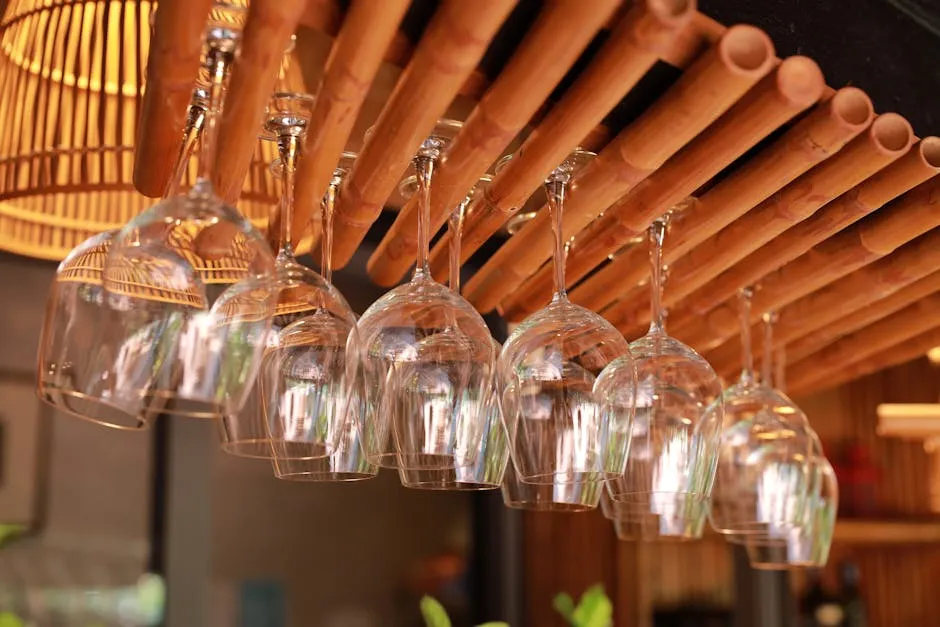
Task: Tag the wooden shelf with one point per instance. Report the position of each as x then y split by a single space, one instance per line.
888 531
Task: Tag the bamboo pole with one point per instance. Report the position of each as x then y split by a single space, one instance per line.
796 202
816 137
175 50
866 241
908 172
820 338
630 51
267 34
357 53
795 85
859 289
910 322
450 49
553 44
268 29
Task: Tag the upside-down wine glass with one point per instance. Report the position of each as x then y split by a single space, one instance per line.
299 403
560 432
348 461
427 358
556 497
807 543
187 313
75 305
487 470
666 489
761 485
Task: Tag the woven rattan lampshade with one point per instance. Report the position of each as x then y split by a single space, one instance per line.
71 83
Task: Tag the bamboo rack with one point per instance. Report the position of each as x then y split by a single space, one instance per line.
454 43
858 290
632 49
816 340
898 353
705 91
816 137
902 175
549 50
871 239
796 84
774 179
907 323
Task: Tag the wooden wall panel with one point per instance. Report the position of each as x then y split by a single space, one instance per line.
569 552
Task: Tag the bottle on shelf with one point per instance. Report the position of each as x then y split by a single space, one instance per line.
818 607
853 605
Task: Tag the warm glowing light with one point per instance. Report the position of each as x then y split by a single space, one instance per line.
934 355
913 420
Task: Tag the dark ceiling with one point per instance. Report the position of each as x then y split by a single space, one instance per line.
889 48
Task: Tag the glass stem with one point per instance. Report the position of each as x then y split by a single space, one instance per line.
555 188
424 167
747 357
657 232
288 145
219 62
327 208
767 370
455 226
195 121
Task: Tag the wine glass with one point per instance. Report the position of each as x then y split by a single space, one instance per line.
348 461
806 543
562 496
299 403
559 432
427 358
75 307
174 339
761 486
670 470
486 472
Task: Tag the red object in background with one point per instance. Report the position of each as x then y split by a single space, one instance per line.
858 480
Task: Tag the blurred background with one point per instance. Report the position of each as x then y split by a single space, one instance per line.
102 528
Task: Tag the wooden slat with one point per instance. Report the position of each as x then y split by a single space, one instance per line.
801 199
895 329
863 287
449 50
350 69
266 37
816 137
267 34
918 165
795 85
904 174
909 349
712 85
553 44
626 56
872 238
175 52
820 338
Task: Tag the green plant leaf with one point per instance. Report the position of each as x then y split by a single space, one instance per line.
434 613
564 605
595 609
494 624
